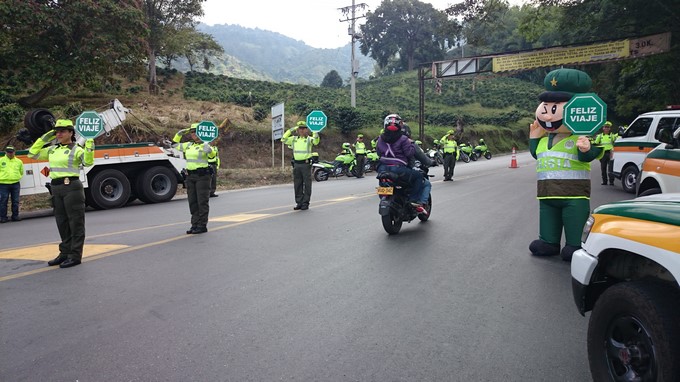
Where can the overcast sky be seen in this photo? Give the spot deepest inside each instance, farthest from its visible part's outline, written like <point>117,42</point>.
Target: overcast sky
<point>316,22</point>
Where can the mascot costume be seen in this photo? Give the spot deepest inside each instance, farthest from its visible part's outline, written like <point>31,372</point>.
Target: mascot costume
<point>563,167</point>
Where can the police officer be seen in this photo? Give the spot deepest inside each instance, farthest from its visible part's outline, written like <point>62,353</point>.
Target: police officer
<point>214,164</point>
<point>302,169</point>
<point>198,179</point>
<point>450,148</point>
<point>606,140</point>
<point>68,195</point>
<point>11,171</point>
<point>360,148</point>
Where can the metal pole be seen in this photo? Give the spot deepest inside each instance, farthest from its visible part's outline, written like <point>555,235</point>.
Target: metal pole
<point>352,80</point>
<point>421,103</point>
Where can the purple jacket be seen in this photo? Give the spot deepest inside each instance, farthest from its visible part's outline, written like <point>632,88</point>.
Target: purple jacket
<point>397,153</point>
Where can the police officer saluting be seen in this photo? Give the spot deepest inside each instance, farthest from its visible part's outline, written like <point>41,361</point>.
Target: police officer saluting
<point>198,179</point>
<point>302,168</point>
<point>68,195</point>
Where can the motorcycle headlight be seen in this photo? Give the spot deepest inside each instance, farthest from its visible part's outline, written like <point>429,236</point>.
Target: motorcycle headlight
<point>586,228</point>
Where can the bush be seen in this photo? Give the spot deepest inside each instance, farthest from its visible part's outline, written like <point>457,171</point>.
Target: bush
<point>73,109</point>
<point>260,112</point>
<point>10,115</point>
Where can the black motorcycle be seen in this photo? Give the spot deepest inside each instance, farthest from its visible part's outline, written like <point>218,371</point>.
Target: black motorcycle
<point>395,207</point>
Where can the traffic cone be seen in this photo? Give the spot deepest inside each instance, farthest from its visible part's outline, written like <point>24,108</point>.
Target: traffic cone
<point>513,161</point>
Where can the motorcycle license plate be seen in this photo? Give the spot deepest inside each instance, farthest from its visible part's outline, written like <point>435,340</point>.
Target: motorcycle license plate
<point>385,190</point>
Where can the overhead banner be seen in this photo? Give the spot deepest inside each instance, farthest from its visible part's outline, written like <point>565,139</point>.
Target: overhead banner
<point>562,56</point>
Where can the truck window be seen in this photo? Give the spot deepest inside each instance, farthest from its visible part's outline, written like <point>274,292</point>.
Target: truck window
<point>639,128</point>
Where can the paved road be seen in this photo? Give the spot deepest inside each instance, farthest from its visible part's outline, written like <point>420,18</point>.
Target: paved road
<point>325,294</point>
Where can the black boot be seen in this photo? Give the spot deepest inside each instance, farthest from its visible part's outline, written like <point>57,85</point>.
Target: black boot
<point>542,248</point>
<point>568,251</point>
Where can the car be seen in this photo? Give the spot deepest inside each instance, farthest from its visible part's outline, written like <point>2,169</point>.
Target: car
<point>626,274</point>
<point>661,168</point>
<point>635,142</point>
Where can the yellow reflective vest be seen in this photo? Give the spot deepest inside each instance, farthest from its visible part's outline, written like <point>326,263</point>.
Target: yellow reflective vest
<point>64,160</point>
<point>560,174</point>
<point>196,154</point>
<point>11,170</point>
<point>302,146</point>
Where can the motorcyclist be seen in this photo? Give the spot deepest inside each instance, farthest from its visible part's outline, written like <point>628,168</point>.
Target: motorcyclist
<point>396,150</point>
<point>346,149</point>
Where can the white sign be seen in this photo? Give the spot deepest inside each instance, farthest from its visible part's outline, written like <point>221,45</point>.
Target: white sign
<point>277,121</point>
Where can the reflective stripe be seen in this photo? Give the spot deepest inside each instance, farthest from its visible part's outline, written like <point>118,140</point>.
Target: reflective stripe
<point>557,154</point>
<point>302,151</point>
<point>196,161</point>
<point>562,174</point>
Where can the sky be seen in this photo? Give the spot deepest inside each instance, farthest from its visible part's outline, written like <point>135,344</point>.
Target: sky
<point>315,22</point>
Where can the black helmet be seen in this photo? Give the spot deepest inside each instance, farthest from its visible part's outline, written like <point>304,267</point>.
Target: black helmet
<point>393,122</point>
<point>406,130</point>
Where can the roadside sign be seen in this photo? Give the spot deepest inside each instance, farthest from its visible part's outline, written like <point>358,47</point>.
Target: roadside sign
<point>89,124</point>
<point>585,113</point>
<point>207,131</point>
<point>316,120</point>
<point>277,121</point>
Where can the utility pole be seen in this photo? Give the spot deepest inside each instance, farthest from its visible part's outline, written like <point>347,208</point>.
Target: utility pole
<point>350,13</point>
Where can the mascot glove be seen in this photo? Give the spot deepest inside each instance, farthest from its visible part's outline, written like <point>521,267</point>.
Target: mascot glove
<point>48,136</point>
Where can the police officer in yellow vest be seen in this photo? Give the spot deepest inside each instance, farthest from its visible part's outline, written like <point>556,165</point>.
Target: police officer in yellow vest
<point>197,154</point>
<point>214,164</point>
<point>360,148</point>
<point>68,196</point>
<point>606,140</point>
<point>563,167</point>
<point>11,172</point>
<point>451,154</point>
<point>302,145</point>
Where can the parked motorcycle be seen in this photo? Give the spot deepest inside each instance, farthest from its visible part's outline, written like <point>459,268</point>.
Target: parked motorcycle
<point>372,161</point>
<point>466,152</point>
<point>436,155</point>
<point>395,207</point>
<point>344,164</point>
<point>482,150</point>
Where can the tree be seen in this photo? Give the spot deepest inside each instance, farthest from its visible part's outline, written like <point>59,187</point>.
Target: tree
<point>403,33</point>
<point>190,44</point>
<point>53,45</point>
<point>332,80</point>
<point>165,18</point>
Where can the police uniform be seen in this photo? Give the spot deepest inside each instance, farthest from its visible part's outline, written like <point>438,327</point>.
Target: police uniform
<point>302,167</point>
<point>198,178</point>
<point>360,148</point>
<point>450,148</point>
<point>68,195</point>
<point>606,141</point>
<point>11,172</point>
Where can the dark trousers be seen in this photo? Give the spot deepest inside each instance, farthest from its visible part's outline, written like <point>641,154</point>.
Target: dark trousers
<point>607,167</point>
<point>7,191</point>
<point>449,165</point>
<point>68,201</point>
<point>302,182</point>
<point>361,162</point>
<point>213,178</point>
<point>198,194</point>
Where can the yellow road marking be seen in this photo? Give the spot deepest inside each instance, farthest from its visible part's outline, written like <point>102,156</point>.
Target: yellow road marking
<point>343,199</point>
<point>238,217</point>
<point>46,252</point>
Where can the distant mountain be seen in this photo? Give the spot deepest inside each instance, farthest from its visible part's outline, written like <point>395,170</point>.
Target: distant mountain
<point>279,58</point>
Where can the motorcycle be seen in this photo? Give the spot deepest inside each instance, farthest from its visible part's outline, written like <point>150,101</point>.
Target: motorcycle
<point>436,156</point>
<point>395,207</point>
<point>372,161</point>
<point>466,152</point>
<point>344,164</point>
<point>482,150</point>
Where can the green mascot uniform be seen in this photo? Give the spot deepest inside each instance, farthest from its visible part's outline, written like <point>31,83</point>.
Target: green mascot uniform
<point>563,167</point>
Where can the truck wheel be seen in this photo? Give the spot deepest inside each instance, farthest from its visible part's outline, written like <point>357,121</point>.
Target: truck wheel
<point>651,191</point>
<point>156,185</point>
<point>108,189</point>
<point>629,179</point>
<point>633,333</point>
<point>37,121</point>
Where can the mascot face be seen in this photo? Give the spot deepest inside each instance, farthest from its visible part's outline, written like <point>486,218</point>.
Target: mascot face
<point>549,115</point>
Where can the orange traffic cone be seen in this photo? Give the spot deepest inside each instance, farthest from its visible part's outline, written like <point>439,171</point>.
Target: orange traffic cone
<point>513,161</point>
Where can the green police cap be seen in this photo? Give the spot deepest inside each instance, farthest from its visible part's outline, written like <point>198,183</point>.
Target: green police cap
<point>64,124</point>
<point>9,149</point>
<point>360,135</point>
<point>562,84</point>
<point>607,124</point>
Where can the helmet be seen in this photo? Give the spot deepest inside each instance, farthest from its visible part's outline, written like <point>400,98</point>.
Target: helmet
<point>481,141</point>
<point>64,124</point>
<point>393,122</point>
<point>406,130</point>
<point>345,145</point>
<point>418,143</point>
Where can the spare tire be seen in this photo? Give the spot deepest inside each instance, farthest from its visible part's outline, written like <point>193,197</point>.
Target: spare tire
<point>39,121</point>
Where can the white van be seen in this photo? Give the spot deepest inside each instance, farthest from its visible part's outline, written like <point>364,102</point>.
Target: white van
<point>633,145</point>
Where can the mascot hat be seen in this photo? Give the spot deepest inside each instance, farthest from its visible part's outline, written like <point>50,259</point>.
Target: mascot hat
<point>562,84</point>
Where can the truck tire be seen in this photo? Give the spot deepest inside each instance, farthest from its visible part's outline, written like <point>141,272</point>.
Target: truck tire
<point>156,185</point>
<point>629,179</point>
<point>38,121</point>
<point>108,189</point>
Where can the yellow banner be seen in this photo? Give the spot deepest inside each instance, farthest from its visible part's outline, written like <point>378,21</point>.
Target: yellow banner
<point>562,56</point>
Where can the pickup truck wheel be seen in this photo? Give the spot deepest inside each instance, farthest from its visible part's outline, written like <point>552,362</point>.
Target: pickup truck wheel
<point>651,191</point>
<point>633,333</point>
<point>629,179</point>
<point>108,189</point>
<point>156,185</point>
